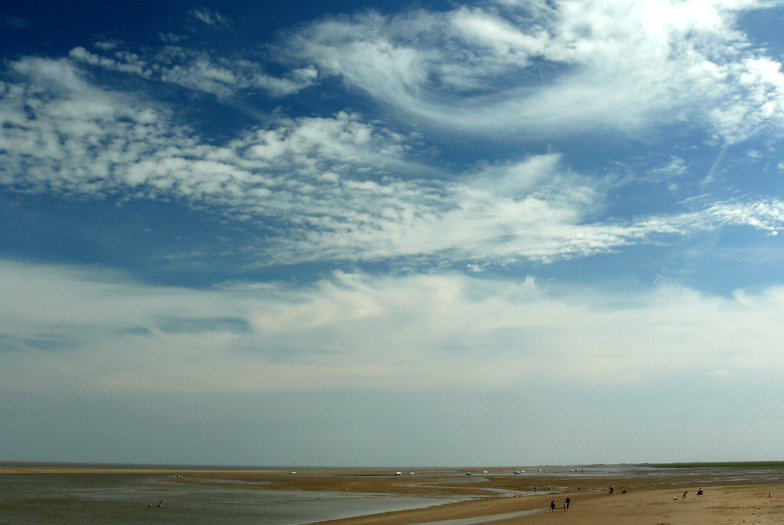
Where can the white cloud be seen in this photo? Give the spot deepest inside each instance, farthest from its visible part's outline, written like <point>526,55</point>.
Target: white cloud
<point>755,102</point>
<point>354,331</point>
<point>676,169</point>
<point>533,69</point>
<point>335,188</point>
<point>515,70</point>
<point>197,70</point>
<point>132,64</point>
<point>212,18</point>
<point>106,46</point>
<point>65,134</point>
<point>203,75</point>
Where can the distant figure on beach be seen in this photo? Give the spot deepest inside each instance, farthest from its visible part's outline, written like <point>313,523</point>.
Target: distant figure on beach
<point>612,490</point>
<point>552,505</point>
<point>568,503</point>
<point>684,495</point>
<point>160,503</point>
<point>700,492</point>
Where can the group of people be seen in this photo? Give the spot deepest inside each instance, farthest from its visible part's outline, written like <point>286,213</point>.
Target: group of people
<point>566,505</point>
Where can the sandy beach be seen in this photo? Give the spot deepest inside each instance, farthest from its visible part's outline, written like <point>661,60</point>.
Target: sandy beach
<point>732,495</point>
<point>720,505</point>
<point>729,497</point>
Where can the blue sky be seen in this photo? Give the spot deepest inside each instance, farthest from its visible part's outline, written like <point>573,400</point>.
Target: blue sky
<point>386,233</point>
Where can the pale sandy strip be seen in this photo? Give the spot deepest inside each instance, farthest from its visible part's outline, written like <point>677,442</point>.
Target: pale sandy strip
<point>736,505</point>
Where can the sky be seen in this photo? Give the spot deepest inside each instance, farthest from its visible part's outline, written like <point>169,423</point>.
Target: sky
<point>426,233</point>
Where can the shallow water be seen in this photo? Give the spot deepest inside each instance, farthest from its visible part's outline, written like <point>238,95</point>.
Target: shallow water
<point>133,498</point>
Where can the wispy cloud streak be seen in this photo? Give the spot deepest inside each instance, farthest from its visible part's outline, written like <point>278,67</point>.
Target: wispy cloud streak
<point>556,68</point>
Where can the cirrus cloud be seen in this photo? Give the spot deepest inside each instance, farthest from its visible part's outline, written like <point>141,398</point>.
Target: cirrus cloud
<point>334,188</point>
<point>553,68</point>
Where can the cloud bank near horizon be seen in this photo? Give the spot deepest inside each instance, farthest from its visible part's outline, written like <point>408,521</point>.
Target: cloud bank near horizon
<point>359,332</point>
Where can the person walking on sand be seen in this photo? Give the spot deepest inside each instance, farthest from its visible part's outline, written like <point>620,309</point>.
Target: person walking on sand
<point>552,506</point>
<point>568,503</point>
<point>684,495</point>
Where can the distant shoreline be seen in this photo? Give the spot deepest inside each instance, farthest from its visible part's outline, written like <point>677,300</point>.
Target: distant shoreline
<point>166,467</point>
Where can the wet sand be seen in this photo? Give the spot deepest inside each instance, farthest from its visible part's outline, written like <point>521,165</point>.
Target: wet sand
<point>732,495</point>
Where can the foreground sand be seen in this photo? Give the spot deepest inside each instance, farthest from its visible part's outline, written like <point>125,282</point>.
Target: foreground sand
<point>720,505</point>
<point>502,497</point>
